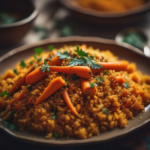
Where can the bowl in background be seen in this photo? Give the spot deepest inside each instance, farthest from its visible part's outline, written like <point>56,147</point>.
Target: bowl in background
<point>13,32</point>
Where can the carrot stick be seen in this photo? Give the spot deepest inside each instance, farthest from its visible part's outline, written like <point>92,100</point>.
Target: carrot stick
<point>21,81</point>
<point>37,75</point>
<point>119,79</point>
<point>117,66</point>
<point>53,86</point>
<point>81,71</point>
<point>66,97</point>
<point>83,47</point>
<point>19,97</point>
<point>86,89</point>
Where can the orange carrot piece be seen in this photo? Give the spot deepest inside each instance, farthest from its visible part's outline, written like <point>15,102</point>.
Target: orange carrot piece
<point>66,97</point>
<point>17,106</point>
<point>37,75</point>
<point>81,71</point>
<point>19,97</point>
<point>117,66</point>
<point>21,81</point>
<point>86,89</point>
<point>119,79</point>
<point>53,86</point>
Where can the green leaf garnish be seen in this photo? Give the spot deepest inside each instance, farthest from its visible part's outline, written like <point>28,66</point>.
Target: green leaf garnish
<point>31,62</point>
<point>143,88</point>
<point>10,126</point>
<point>38,50</point>
<point>67,82</point>
<point>51,56</point>
<point>80,52</point>
<point>105,111</point>
<point>101,80</point>
<point>54,117</point>
<point>50,47</point>
<point>22,64</point>
<point>105,72</point>
<point>76,61</point>
<point>5,93</point>
<point>29,88</point>
<point>38,59</point>
<point>45,67</point>
<point>63,55</point>
<point>72,100</point>
<point>15,71</point>
<point>126,85</point>
<point>56,135</point>
<point>92,85</point>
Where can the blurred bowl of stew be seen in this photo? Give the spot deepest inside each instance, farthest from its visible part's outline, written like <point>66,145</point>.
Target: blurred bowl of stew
<point>110,12</point>
<point>16,19</point>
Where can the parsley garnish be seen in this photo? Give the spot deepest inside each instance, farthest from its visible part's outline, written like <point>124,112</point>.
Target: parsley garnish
<point>92,85</point>
<point>100,81</point>
<point>50,47</point>
<point>45,67</point>
<point>105,72</point>
<point>23,64</point>
<point>74,77</point>
<point>105,111</point>
<point>38,59</point>
<point>126,85</point>
<point>31,62</point>
<point>38,50</point>
<point>80,52</point>
<point>10,126</point>
<point>67,82</point>
<point>15,71</point>
<point>29,88</point>
<point>84,60</point>
<point>5,93</point>
<point>51,56</point>
<point>143,88</point>
<point>63,55</point>
<point>72,100</point>
<point>56,135</point>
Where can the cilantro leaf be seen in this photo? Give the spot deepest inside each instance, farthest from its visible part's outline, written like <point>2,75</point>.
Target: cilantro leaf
<point>51,56</point>
<point>92,64</point>
<point>39,59</point>
<point>126,85</point>
<point>50,47</point>
<point>15,71</point>
<point>10,126</point>
<point>76,61</point>
<point>101,80</point>
<point>63,55</point>
<point>56,135</point>
<point>105,72</point>
<point>31,62</point>
<point>80,52</point>
<point>38,50</point>
<point>92,85</point>
<point>67,82</point>
<point>72,100</point>
<point>5,93</point>
<point>45,67</point>
<point>105,111</point>
<point>23,64</point>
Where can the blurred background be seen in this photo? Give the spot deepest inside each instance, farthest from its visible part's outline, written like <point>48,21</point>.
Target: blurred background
<point>23,22</point>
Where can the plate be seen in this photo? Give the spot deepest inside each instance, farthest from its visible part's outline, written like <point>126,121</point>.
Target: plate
<point>108,18</point>
<point>9,60</point>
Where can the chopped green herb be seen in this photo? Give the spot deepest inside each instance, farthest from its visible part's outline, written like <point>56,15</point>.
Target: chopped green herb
<point>34,56</point>
<point>54,117</point>
<point>39,59</point>
<point>74,77</point>
<point>105,72</point>
<point>105,111</point>
<point>38,50</point>
<point>29,88</point>
<point>143,88</point>
<point>5,93</point>
<point>50,47</point>
<point>96,79</point>
<point>10,126</point>
<point>15,71</point>
<point>107,94</point>
<point>31,62</point>
<point>63,55</point>
<point>11,116</point>
<point>101,80</point>
<point>56,135</point>
<point>23,64</point>
<point>72,100</point>
<point>92,85</point>
<point>80,52</point>
<point>51,56</point>
<point>45,67</point>
<point>126,85</point>
<point>67,82</point>
<point>76,61</point>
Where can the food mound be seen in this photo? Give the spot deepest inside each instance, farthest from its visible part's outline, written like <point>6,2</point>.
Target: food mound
<point>74,91</point>
<point>111,5</point>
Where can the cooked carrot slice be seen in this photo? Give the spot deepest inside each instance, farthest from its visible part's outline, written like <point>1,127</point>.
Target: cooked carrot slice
<point>119,79</point>
<point>86,89</point>
<point>66,97</point>
<point>21,81</point>
<point>53,86</point>
<point>117,66</point>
